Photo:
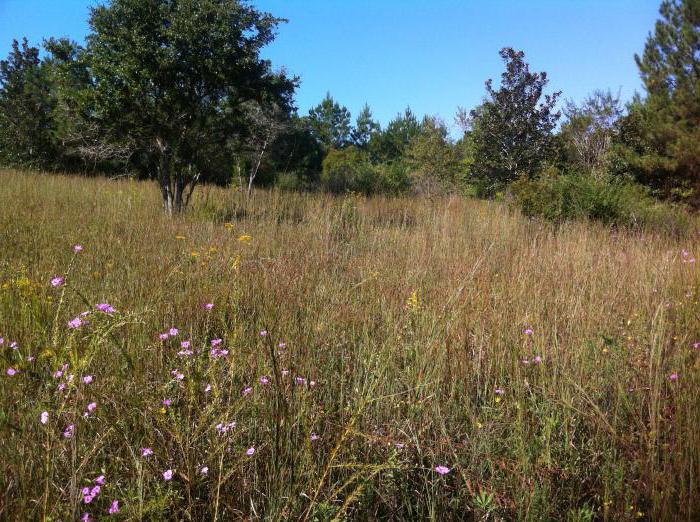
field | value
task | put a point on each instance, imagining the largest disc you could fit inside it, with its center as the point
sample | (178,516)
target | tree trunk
(165,187)
(254,170)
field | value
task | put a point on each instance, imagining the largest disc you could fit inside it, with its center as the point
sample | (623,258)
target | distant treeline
(177,92)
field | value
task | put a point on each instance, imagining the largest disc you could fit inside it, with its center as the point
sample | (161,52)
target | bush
(394,177)
(349,170)
(293,181)
(613,201)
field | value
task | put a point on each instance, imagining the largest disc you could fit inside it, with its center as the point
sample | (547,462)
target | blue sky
(433,55)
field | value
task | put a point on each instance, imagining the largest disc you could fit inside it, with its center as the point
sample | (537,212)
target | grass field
(397,359)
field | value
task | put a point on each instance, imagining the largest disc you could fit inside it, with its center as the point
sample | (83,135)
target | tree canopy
(512,129)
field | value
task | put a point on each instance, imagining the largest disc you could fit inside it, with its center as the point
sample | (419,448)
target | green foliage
(661,136)
(349,170)
(589,131)
(365,127)
(171,82)
(25,121)
(330,124)
(392,143)
(613,201)
(394,177)
(512,130)
(433,158)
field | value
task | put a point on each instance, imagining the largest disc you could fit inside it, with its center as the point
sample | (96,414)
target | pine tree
(661,135)
(25,109)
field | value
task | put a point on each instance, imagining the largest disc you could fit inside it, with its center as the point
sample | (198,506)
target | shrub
(292,181)
(349,170)
(613,201)
(394,177)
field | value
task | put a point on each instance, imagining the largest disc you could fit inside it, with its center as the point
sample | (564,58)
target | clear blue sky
(433,55)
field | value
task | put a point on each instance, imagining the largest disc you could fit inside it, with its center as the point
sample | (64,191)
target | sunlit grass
(386,359)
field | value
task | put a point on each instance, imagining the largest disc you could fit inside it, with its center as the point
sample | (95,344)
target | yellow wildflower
(412,303)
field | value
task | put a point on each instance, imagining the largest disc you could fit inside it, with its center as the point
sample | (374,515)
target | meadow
(310,357)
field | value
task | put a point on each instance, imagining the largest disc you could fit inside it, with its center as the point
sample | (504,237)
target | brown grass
(596,431)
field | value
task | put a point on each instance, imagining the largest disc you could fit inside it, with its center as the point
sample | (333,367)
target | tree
(590,130)
(25,109)
(365,127)
(264,125)
(330,123)
(433,158)
(661,135)
(171,80)
(392,143)
(296,154)
(512,129)
(349,169)
(77,140)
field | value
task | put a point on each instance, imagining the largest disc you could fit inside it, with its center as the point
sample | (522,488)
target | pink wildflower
(87,379)
(145,452)
(442,470)
(44,418)
(75,323)
(77,248)
(114,507)
(11,372)
(68,432)
(57,281)
(168,474)
(250,451)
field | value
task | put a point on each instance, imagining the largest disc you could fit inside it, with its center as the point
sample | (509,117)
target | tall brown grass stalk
(396,335)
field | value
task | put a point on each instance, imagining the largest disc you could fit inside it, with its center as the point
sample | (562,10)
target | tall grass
(395,335)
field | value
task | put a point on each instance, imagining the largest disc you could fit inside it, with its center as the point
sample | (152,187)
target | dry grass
(407,315)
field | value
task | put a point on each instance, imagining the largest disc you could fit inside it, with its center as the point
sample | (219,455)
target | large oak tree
(173,81)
